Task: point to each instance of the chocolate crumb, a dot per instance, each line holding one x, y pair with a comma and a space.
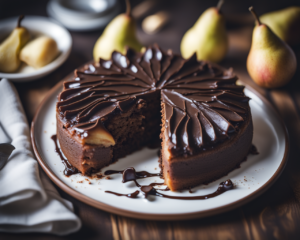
99, 176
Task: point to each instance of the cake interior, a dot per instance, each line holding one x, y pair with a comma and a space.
134, 129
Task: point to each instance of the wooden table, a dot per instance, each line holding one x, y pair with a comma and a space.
273, 215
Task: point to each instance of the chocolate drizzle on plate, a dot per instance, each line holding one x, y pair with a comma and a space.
69, 169
129, 195
130, 174
138, 175
253, 150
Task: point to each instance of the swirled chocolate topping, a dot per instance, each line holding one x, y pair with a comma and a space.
203, 104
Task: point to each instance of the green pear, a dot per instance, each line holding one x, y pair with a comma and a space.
271, 63
10, 48
118, 34
208, 37
285, 24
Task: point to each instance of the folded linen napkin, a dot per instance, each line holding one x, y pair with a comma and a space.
28, 201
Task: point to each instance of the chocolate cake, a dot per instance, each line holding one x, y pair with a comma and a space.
112, 108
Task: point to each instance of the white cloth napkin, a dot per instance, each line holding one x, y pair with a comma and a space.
28, 201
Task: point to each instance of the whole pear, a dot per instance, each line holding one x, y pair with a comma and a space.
208, 37
271, 62
285, 24
11, 47
118, 34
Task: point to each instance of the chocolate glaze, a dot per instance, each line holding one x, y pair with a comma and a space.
129, 195
253, 150
129, 174
69, 169
138, 175
223, 187
202, 101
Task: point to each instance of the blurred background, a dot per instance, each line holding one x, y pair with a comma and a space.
180, 16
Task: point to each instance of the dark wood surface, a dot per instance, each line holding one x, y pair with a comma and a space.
273, 215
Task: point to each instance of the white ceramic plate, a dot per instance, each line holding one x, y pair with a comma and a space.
38, 26
253, 177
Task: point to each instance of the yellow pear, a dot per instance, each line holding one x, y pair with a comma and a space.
208, 37
285, 24
271, 63
118, 34
10, 48
39, 52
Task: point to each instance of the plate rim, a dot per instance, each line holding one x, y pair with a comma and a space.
151, 216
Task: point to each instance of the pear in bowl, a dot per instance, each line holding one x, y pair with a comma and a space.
39, 52
11, 46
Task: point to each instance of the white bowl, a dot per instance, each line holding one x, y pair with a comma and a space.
79, 9
79, 21
38, 26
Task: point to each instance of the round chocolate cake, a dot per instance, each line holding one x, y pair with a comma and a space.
112, 108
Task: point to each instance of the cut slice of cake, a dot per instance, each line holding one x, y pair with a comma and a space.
198, 144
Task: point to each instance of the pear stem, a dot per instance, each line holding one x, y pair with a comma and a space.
19, 21
220, 4
128, 8
251, 9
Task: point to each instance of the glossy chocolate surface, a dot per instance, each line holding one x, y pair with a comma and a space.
69, 169
202, 101
138, 175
